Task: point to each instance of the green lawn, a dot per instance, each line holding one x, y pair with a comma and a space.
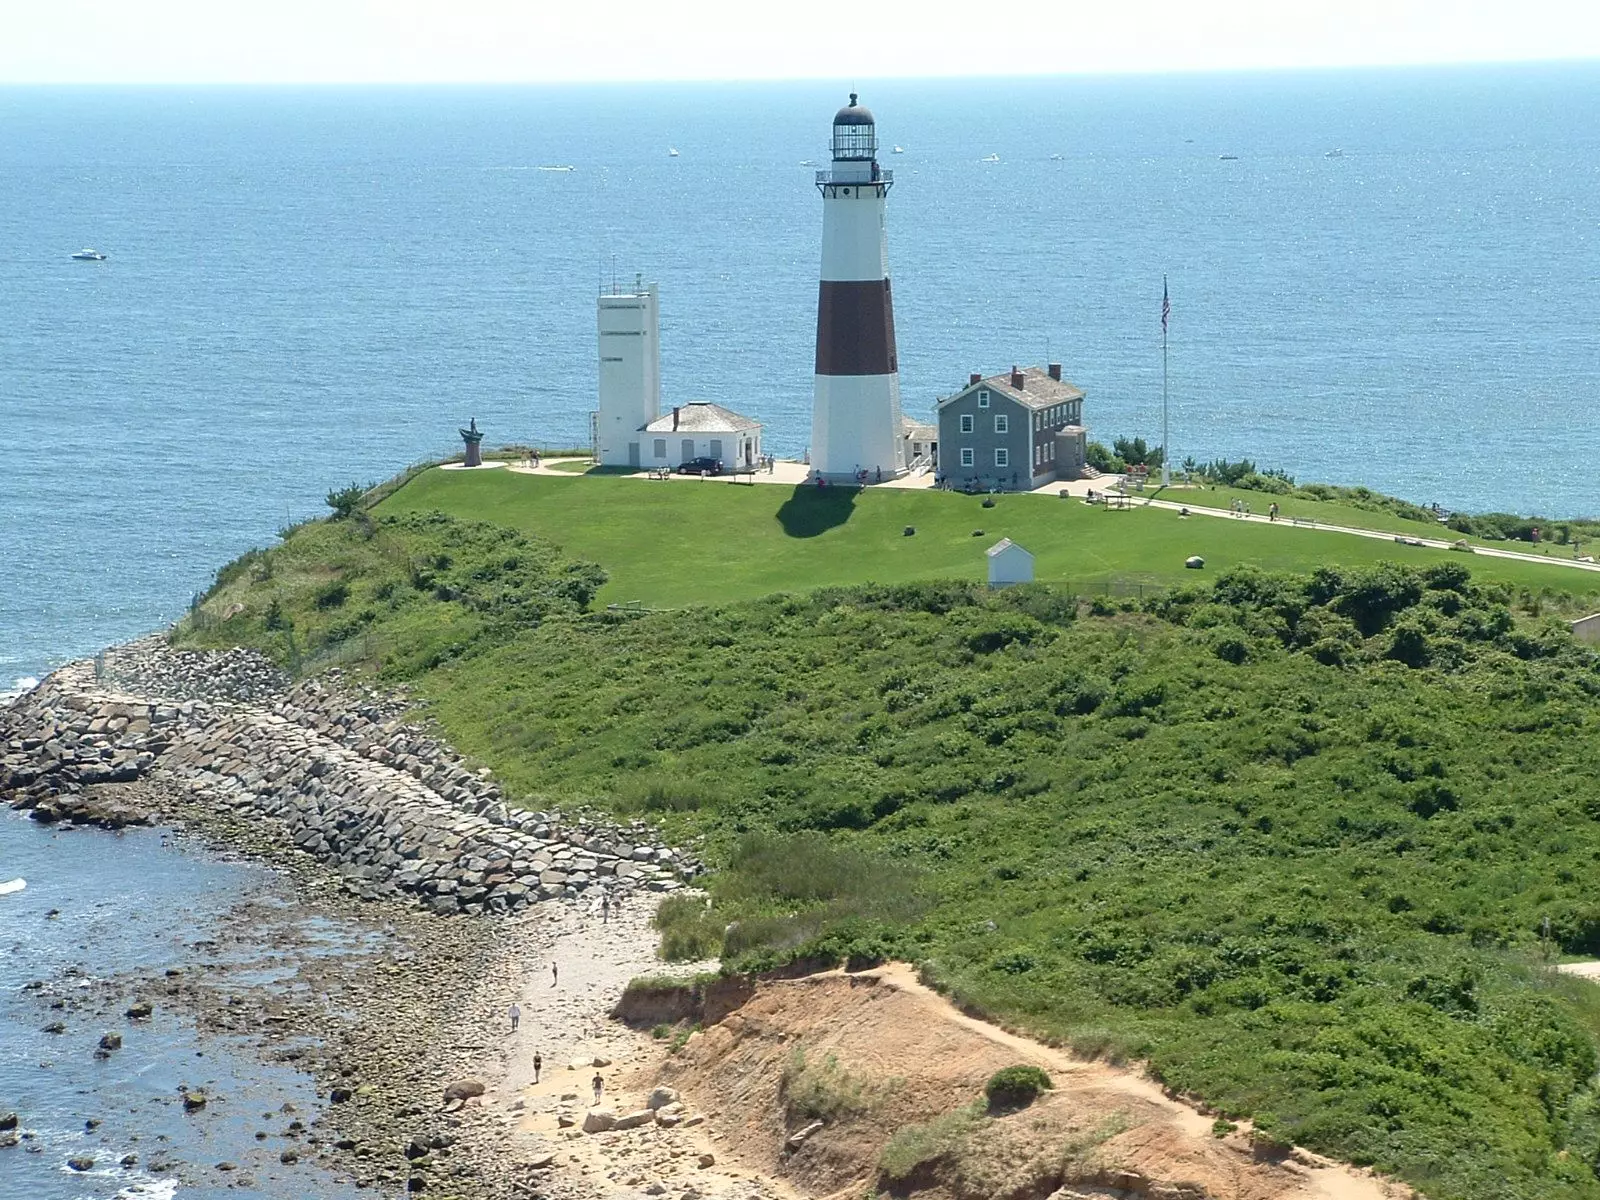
668, 544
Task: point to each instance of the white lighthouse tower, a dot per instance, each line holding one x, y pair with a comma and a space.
630, 374
855, 417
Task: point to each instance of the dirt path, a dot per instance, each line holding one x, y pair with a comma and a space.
1323, 1179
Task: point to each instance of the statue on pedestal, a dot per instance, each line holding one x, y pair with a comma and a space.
472, 436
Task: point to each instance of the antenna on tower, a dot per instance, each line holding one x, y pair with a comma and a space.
613, 274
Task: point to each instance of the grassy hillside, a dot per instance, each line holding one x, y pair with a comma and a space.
1295, 838
676, 543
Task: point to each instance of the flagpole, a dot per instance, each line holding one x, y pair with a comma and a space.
1166, 453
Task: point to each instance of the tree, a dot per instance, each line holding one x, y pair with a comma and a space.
344, 501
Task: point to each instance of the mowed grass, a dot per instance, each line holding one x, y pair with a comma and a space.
677, 543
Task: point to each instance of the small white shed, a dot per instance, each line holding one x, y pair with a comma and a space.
1587, 629
1009, 563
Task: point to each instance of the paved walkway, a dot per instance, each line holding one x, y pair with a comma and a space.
1285, 522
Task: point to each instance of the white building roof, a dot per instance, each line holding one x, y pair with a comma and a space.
701, 416
1002, 546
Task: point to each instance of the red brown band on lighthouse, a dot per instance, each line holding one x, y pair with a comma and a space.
855, 328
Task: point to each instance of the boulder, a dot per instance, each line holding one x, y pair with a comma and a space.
1194, 562
661, 1097
139, 1009
193, 1101
110, 1041
8, 1120
634, 1120
599, 1120
461, 1091
81, 1162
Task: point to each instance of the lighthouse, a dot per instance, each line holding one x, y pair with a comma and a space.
855, 415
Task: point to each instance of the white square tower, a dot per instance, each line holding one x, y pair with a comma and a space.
630, 374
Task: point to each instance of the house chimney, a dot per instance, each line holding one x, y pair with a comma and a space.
975, 377
674, 416
1016, 379
1055, 372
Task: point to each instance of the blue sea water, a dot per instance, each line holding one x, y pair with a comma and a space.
311, 286
96, 906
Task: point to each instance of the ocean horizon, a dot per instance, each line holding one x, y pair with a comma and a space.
1378, 277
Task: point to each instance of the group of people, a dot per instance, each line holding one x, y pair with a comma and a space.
608, 904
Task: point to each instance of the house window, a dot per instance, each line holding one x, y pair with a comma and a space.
966, 422
983, 399
966, 456
1002, 423
661, 447
1002, 457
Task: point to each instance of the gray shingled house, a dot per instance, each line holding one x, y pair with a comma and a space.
1015, 432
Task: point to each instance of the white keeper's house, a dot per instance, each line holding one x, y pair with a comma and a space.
701, 429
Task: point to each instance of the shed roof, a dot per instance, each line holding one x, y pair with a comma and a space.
702, 416
1038, 389
1002, 546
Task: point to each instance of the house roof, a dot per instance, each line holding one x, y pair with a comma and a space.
1038, 389
701, 416
918, 429
1002, 546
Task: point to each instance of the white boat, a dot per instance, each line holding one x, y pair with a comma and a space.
899, 149
806, 162
672, 152
557, 168
88, 254
12, 885
1335, 153
1055, 158
990, 158
1228, 157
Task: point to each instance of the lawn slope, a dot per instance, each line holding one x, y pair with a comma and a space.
667, 544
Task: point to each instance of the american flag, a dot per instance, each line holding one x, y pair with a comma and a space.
1166, 305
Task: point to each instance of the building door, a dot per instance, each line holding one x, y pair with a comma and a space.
716, 449
688, 449
633, 454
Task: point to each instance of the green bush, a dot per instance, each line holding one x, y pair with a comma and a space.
1016, 1087
344, 501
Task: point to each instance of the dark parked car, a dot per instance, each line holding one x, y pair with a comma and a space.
701, 466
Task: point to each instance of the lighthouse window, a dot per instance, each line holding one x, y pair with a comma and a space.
966, 422
1002, 458
983, 399
1002, 423
966, 456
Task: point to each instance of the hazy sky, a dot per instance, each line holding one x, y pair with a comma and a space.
251, 41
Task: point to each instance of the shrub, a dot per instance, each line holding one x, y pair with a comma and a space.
1015, 1087
689, 929
915, 1146
331, 594
826, 1090
344, 501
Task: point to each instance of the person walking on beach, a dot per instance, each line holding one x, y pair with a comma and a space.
599, 1087
605, 909
516, 1015
538, 1065
555, 974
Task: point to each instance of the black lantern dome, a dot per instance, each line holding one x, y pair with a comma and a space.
855, 133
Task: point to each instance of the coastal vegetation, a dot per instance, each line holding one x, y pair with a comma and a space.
1306, 835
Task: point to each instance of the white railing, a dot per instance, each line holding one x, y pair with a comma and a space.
920, 465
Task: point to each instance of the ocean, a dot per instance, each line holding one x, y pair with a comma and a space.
1377, 277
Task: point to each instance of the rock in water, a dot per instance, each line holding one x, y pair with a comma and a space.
81, 1162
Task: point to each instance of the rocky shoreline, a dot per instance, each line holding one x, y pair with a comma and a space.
379, 826
347, 778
